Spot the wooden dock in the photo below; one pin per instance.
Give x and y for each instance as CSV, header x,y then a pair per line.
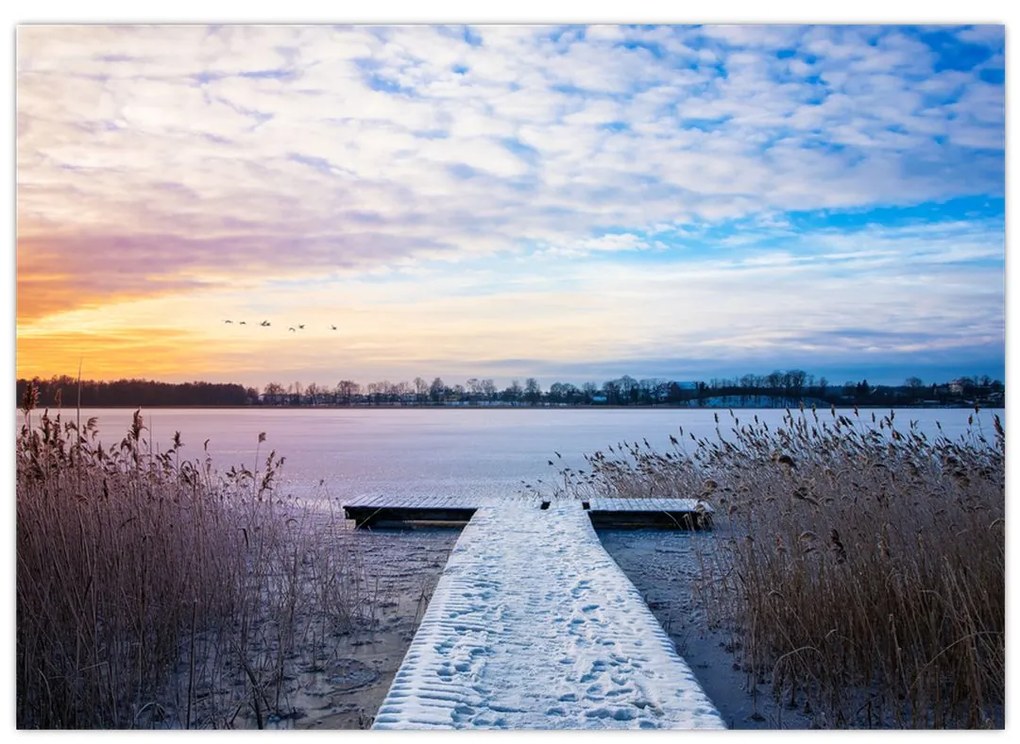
x,y
391,511
649,512
533,626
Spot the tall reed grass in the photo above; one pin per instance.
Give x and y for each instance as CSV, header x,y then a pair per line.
x,y
860,565
152,592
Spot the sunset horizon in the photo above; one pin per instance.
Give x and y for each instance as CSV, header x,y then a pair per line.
x,y
560,202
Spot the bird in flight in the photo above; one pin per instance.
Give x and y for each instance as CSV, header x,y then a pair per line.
x,y
333,327
265,323
301,326
228,321
291,328
243,323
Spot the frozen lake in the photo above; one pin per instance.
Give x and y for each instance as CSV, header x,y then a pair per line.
x,y
354,452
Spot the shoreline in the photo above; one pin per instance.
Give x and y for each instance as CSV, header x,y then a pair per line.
x,y
345,690
664,566
339,682
469,407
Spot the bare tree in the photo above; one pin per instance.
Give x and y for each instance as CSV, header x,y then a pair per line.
x,y
437,389
512,394
649,389
532,391
558,392
346,390
797,378
489,389
611,388
273,392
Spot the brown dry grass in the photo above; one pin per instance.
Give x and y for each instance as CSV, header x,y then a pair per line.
x,y
859,564
150,590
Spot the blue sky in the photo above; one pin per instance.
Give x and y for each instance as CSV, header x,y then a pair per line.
x,y
569,202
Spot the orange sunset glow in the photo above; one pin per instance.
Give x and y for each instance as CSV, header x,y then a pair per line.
x,y
507,201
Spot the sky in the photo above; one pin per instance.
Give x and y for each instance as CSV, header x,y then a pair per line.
x,y
569,202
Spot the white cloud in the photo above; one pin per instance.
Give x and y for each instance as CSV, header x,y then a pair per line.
x,y
375,146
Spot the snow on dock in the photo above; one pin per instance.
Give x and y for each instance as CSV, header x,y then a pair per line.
x,y
608,504
378,510
649,512
534,626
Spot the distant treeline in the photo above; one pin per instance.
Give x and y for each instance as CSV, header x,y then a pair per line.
x,y
780,388
64,392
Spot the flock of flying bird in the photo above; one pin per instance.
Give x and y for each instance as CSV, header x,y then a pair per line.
x,y
266,324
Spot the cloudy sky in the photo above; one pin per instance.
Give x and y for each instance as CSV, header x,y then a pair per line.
x,y
566,202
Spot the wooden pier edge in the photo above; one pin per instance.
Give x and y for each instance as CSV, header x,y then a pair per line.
x,y
376,511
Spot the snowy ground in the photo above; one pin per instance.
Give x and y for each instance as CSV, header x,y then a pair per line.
x,y
533,625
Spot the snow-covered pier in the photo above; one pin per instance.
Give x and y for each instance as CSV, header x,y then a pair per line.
x,y
384,511
534,626
617,512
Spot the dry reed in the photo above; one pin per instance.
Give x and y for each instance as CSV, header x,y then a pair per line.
x,y
860,566
150,590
